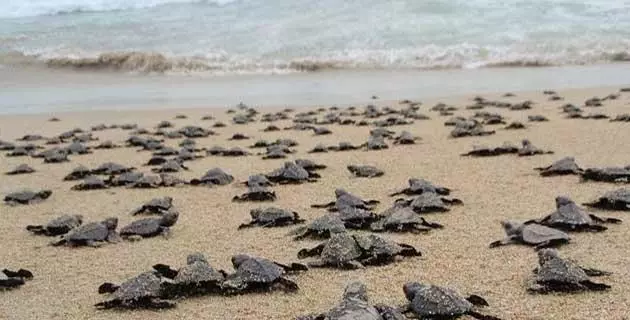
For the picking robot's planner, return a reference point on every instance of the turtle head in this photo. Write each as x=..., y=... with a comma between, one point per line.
x=79, y=218
x=238, y=259
x=547, y=254
x=45, y=193
x=526, y=142
x=340, y=192
x=563, y=201
x=352, y=168
x=255, y=213
x=111, y=223
x=510, y=227
x=169, y=218
x=411, y=288
x=355, y=290
x=196, y=257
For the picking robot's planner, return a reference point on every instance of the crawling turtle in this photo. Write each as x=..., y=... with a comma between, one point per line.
x=609, y=174
x=570, y=217
x=258, y=179
x=214, y=177
x=319, y=148
x=150, y=227
x=556, y=274
x=291, y=173
x=537, y=118
x=256, y=193
x=354, y=304
x=91, y=234
x=55, y=156
x=125, y=179
x=469, y=128
x=166, y=151
x=320, y=131
x=346, y=251
x=108, y=144
x=111, y=168
x=365, y=171
x=405, y=137
x=420, y=186
x=58, y=226
x=235, y=152
x=197, y=277
x=320, y=228
x=375, y=143
x=516, y=125
x=344, y=146
x=528, y=149
x=12, y=279
x=272, y=217
x=141, y=291
x=428, y=301
x=531, y=234
x=309, y=165
x=78, y=148
x=275, y=152
x=147, y=181
x=484, y=151
x=170, y=166
x=259, y=274
x=612, y=200
x=402, y=219
x=78, y=173
x=90, y=183
x=27, y=197
x=155, y=206
x=21, y=169
x=564, y=166
x=429, y=202
x=346, y=199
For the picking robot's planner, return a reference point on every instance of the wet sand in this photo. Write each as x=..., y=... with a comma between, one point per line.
x=458, y=256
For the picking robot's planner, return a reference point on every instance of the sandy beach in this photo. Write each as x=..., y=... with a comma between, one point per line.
x=492, y=189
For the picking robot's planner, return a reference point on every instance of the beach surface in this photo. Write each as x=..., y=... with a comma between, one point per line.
x=492, y=189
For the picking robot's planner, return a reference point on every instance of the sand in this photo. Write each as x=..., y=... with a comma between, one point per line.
x=458, y=256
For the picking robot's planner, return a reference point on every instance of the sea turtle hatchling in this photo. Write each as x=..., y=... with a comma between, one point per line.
x=91, y=234
x=365, y=171
x=155, y=206
x=564, y=166
x=57, y=226
x=484, y=151
x=428, y=301
x=531, y=234
x=420, y=186
x=528, y=149
x=608, y=174
x=170, y=166
x=347, y=251
x=429, y=202
x=570, y=217
x=111, y=168
x=556, y=274
x=150, y=227
x=12, y=279
x=90, y=183
x=78, y=173
x=197, y=277
x=402, y=219
x=214, y=177
x=354, y=305
x=612, y=200
x=21, y=169
x=405, y=137
x=256, y=193
x=27, y=197
x=346, y=199
x=141, y=291
x=320, y=228
x=291, y=173
x=125, y=179
x=375, y=143
x=309, y=165
x=272, y=217
x=319, y=148
x=254, y=274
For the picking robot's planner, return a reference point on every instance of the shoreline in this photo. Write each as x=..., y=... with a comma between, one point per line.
x=32, y=91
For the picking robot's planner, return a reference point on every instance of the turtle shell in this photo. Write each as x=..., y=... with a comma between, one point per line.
x=145, y=285
x=558, y=270
x=94, y=231
x=258, y=270
x=144, y=227
x=434, y=301
x=537, y=234
x=63, y=224
x=330, y=223
x=428, y=202
x=341, y=248
x=271, y=214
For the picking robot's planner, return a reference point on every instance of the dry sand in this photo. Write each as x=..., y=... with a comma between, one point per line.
x=458, y=256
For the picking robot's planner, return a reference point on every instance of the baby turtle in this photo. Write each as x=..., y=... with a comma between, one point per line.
x=309, y=165
x=484, y=151
x=375, y=143
x=256, y=193
x=564, y=166
x=346, y=251
x=344, y=146
x=528, y=149
x=27, y=197
x=346, y=199
x=320, y=228
x=148, y=181
x=170, y=166
x=90, y=183
x=259, y=274
x=291, y=173
x=125, y=179
x=21, y=169
x=142, y=291
x=570, y=217
x=428, y=301
x=214, y=177
x=610, y=174
x=92, y=234
x=272, y=217
x=531, y=234
x=111, y=168
x=320, y=131
x=197, y=277
x=58, y=226
x=354, y=304
x=405, y=137
x=12, y=279
x=274, y=152
x=555, y=274
x=515, y=126
x=402, y=219
x=155, y=206
x=77, y=148
x=150, y=227
x=259, y=180
x=108, y=144
x=429, y=202
x=319, y=148
x=365, y=171
x=420, y=186
x=78, y=173
x=537, y=118
x=612, y=200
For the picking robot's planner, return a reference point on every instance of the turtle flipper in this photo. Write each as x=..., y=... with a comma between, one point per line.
x=604, y=220
x=107, y=287
x=165, y=270
x=287, y=285
x=409, y=251
x=477, y=300
x=11, y=282
x=502, y=242
x=305, y=253
x=293, y=267
x=433, y=225
x=39, y=230
x=594, y=286
x=480, y=316
x=22, y=273
x=246, y=225
x=595, y=272
x=323, y=205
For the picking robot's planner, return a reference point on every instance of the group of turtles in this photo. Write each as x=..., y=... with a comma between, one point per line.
x=339, y=247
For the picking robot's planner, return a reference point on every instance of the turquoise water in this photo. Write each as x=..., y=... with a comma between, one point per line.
x=281, y=36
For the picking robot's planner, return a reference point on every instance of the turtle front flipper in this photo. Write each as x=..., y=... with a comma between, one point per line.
x=22, y=273
x=246, y=225
x=59, y=242
x=477, y=300
x=165, y=270
x=38, y=230
x=433, y=225
x=594, y=286
x=157, y=303
x=480, y=316
x=287, y=285
x=107, y=287
x=114, y=237
x=305, y=253
x=11, y=282
x=604, y=220
x=399, y=192
x=293, y=267
x=409, y=251
x=595, y=272
x=502, y=242
x=323, y=205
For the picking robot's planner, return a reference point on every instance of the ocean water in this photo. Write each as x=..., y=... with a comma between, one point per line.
x=284, y=36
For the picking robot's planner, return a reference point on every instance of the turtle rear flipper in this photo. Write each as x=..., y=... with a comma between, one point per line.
x=292, y=267
x=480, y=316
x=605, y=220
x=11, y=282
x=39, y=230
x=433, y=225
x=594, y=286
x=372, y=202
x=287, y=285
x=107, y=287
x=22, y=273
